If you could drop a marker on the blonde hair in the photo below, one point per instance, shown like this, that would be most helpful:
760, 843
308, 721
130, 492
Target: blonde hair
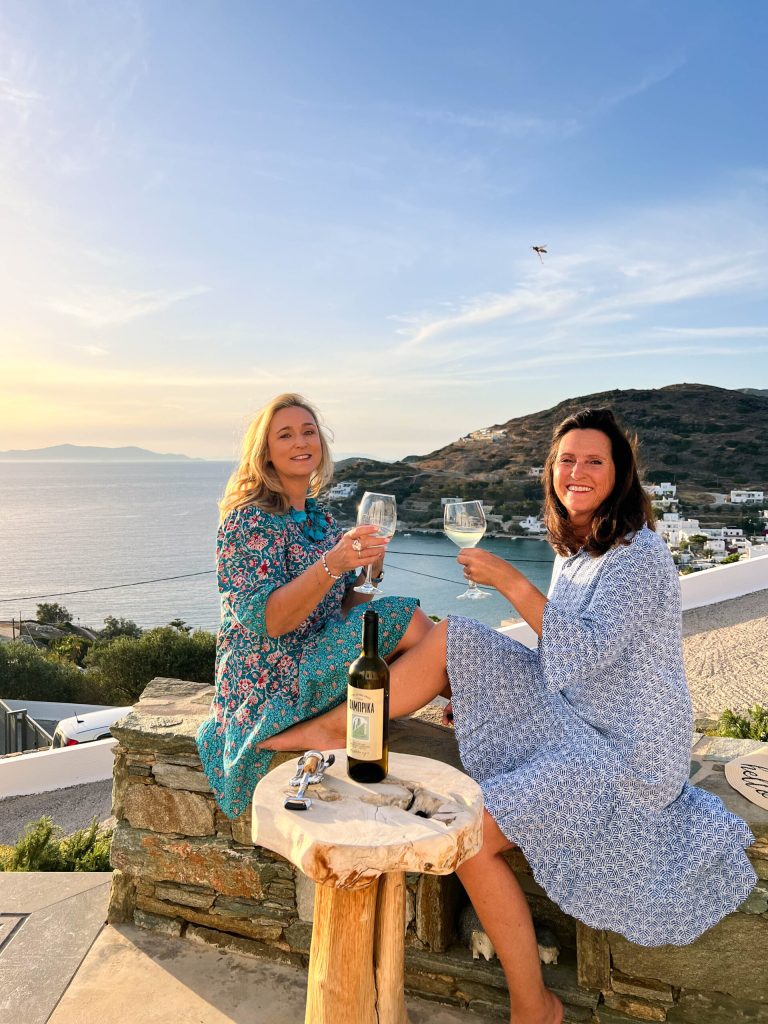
255, 481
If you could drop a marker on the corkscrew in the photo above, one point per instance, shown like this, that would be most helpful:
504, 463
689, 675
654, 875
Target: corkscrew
309, 772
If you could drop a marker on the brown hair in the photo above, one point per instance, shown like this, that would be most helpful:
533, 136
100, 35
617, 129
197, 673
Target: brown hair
255, 481
626, 509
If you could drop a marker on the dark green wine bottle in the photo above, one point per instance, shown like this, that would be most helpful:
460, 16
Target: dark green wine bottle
368, 708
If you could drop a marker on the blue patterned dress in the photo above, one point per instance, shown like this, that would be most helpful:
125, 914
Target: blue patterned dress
265, 684
582, 750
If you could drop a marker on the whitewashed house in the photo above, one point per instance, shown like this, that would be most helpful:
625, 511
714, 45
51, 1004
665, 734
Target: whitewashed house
746, 497
342, 490
532, 524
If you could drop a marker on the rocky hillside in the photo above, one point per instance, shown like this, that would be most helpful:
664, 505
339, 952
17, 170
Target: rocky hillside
703, 438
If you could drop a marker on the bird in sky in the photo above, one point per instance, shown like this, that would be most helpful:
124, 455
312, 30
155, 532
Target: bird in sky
539, 249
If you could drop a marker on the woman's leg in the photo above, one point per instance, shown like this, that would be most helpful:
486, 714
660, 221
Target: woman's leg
419, 626
415, 678
502, 908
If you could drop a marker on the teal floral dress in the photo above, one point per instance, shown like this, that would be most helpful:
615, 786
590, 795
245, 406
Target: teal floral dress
265, 684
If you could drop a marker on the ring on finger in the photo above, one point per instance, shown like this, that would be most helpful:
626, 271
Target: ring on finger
357, 545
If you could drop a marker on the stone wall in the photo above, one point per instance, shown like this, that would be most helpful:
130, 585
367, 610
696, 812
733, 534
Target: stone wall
183, 868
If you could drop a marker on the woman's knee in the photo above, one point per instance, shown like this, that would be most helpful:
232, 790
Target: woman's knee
420, 627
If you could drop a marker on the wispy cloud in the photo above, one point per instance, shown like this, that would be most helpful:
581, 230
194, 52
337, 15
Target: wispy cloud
715, 332
120, 307
609, 283
22, 100
499, 122
651, 78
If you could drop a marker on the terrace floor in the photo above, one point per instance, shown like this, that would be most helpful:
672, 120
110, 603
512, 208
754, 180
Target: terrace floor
61, 964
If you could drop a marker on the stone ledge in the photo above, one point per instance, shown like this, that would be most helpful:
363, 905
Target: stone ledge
182, 865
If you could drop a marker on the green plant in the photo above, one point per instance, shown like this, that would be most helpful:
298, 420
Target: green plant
114, 627
26, 674
44, 848
123, 667
71, 649
53, 614
733, 557
752, 726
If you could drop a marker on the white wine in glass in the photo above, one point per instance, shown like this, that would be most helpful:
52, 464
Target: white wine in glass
464, 524
376, 510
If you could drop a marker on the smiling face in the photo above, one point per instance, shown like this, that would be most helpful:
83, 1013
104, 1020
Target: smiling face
583, 475
293, 442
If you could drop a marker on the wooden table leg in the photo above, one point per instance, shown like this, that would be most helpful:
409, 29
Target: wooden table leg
389, 949
356, 956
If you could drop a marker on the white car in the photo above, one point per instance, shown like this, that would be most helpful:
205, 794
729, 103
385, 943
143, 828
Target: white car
93, 725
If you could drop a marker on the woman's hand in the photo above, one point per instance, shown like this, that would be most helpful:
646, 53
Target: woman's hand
357, 549
481, 566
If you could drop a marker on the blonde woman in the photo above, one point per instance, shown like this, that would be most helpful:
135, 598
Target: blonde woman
290, 620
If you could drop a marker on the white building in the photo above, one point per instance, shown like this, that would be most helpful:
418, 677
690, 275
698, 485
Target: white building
343, 490
746, 497
664, 490
449, 501
486, 434
535, 470
675, 529
531, 524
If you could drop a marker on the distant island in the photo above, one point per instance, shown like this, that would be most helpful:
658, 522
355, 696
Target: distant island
91, 453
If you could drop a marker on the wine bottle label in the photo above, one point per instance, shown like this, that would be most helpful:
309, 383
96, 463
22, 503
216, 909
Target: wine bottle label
365, 723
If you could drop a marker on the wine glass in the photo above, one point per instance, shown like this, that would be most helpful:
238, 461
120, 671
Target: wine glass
376, 510
464, 524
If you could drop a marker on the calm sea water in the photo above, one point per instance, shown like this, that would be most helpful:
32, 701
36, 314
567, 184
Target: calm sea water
78, 527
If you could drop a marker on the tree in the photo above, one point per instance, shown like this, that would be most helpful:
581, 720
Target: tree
125, 666
114, 627
53, 615
26, 674
181, 625
72, 649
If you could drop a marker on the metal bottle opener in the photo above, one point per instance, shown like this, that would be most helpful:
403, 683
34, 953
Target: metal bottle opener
310, 770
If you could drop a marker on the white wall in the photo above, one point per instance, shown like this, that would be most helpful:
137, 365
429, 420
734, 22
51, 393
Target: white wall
56, 769
722, 583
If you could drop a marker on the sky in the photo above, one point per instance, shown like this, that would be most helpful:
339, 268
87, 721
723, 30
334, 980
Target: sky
204, 204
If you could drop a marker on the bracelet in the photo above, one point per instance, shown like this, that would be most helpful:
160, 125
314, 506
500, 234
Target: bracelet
325, 566
376, 580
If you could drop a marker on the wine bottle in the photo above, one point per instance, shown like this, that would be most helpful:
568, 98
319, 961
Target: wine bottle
368, 708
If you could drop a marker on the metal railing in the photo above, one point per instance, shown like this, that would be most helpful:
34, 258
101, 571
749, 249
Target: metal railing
19, 733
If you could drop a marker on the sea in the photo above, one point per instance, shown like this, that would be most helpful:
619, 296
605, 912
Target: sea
137, 541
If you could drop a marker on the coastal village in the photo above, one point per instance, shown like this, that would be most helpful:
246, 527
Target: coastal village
695, 542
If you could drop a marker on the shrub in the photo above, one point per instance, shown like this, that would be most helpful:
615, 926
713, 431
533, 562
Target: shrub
752, 726
71, 649
125, 666
43, 847
26, 674
53, 615
114, 627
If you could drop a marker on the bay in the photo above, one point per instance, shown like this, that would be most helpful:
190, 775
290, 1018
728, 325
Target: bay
68, 527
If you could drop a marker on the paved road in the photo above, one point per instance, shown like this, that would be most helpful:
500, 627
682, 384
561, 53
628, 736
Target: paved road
70, 808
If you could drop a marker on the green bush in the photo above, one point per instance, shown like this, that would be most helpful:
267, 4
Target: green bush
53, 614
71, 649
27, 674
752, 726
123, 667
114, 627
43, 847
